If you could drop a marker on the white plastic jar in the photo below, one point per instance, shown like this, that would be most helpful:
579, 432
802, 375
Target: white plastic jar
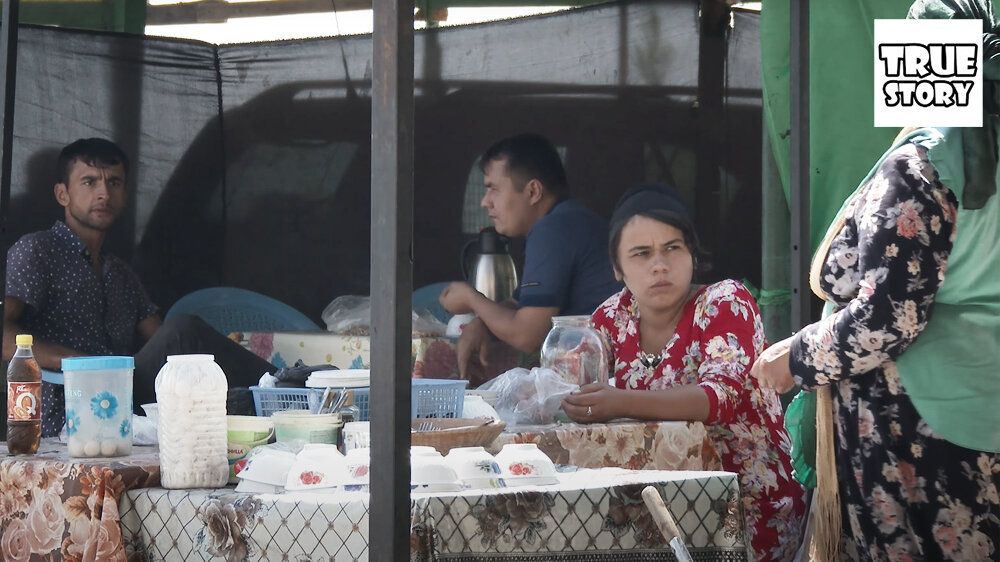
98, 405
191, 429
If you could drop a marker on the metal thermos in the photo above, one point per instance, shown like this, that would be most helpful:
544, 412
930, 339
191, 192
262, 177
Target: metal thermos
492, 270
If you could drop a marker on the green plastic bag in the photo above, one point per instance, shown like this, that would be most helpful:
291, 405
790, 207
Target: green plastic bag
800, 421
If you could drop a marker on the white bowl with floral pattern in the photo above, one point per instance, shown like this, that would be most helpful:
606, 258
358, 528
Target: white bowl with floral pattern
524, 464
475, 467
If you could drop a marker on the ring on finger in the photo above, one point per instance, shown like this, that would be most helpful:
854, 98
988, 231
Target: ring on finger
590, 411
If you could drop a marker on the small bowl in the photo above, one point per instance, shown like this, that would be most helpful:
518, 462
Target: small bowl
475, 467
317, 466
357, 435
358, 465
267, 466
491, 397
429, 472
523, 464
257, 488
152, 411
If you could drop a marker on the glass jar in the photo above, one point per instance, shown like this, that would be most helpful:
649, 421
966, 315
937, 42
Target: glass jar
576, 350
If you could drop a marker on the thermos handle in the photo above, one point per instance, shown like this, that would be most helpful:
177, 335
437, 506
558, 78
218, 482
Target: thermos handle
463, 258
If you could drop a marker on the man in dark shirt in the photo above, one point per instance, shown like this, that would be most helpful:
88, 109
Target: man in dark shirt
77, 299
567, 270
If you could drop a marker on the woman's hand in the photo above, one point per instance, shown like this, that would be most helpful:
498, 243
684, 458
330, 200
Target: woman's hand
594, 402
772, 369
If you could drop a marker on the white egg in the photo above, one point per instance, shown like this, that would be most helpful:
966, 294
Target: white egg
75, 448
108, 448
92, 448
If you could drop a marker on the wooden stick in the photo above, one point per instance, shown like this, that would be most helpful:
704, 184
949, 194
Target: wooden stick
660, 513
665, 521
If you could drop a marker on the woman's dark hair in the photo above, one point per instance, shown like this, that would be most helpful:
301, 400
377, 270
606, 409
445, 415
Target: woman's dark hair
676, 220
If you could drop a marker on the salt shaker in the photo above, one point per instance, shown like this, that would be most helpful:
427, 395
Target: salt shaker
191, 396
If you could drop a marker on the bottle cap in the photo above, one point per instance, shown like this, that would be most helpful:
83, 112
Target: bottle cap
23, 339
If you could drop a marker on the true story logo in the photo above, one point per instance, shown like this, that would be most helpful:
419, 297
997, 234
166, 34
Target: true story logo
928, 73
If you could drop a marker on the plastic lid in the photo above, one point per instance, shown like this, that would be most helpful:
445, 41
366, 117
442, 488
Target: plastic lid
105, 363
23, 339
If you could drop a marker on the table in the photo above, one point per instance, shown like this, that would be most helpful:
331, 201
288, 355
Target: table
55, 508
432, 358
592, 515
632, 444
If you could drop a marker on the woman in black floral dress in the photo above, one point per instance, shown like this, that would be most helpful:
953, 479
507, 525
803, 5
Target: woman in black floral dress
906, 493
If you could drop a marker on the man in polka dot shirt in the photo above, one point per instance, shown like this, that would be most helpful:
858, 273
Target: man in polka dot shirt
77, 299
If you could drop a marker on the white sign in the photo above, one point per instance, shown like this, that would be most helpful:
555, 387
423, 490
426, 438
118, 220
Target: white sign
929, 73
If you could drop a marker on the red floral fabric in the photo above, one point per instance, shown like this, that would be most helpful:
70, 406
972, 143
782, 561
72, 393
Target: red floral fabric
715, 343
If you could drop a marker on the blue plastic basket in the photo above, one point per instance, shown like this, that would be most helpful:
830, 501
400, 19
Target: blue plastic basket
430, 398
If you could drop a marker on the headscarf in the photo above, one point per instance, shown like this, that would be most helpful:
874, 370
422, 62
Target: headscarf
979, 144
647, 197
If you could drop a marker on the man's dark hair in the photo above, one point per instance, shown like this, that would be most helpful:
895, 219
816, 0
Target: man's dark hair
530, 156
95, 152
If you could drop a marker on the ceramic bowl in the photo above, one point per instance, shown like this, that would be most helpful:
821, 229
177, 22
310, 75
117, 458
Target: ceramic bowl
475, 467
430, 472
358, 465
257, 487
267, 466
357, 435
523, 464
152, 411
317, 466
491, 397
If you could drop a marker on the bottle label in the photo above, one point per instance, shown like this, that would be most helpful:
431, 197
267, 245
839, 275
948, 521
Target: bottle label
24, 401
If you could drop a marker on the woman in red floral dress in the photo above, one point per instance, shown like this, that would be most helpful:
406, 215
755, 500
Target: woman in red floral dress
683, 352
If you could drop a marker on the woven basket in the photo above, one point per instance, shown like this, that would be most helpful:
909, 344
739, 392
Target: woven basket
446, 434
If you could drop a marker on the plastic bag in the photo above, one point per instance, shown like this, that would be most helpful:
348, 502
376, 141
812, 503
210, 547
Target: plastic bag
350, 315
529, 397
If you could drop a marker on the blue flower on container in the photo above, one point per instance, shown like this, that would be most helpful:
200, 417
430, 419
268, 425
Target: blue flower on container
104, 405
126, 428
72, 422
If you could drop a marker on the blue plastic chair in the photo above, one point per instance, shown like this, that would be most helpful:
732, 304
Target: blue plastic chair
230, 309
427, 297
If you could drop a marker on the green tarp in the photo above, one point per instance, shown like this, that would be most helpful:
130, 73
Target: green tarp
843, 143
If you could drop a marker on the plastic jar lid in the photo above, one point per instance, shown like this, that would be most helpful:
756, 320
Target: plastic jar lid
105, 363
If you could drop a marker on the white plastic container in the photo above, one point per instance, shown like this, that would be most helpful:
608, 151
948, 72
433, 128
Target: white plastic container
191, 397
357, 435
98, 405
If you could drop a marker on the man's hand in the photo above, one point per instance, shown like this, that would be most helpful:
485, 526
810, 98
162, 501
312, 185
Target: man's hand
457, 297
772, 369
475, 337
594, 402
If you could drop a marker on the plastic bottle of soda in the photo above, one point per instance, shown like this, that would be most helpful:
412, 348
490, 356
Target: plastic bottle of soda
24, 400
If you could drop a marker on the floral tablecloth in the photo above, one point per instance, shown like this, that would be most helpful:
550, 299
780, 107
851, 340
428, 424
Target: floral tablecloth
55, 508
432, 358
646, 445
591, 515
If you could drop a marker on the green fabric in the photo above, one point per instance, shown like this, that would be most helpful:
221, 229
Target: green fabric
843, 141
800, 422
952, 371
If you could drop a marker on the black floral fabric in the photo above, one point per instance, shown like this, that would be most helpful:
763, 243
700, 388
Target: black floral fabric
906, 493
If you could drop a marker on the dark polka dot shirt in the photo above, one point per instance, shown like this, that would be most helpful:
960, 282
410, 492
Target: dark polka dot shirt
68, 304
